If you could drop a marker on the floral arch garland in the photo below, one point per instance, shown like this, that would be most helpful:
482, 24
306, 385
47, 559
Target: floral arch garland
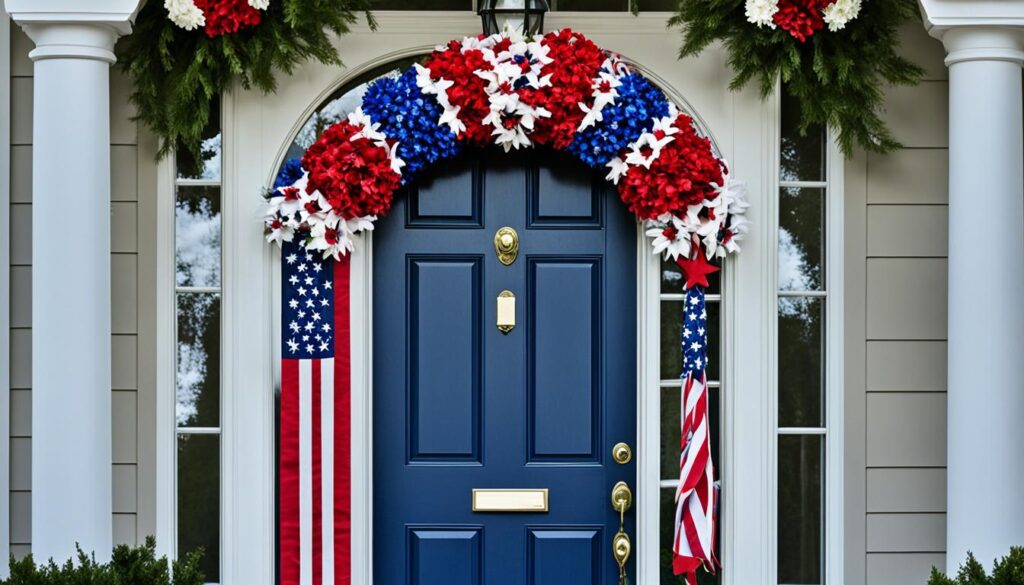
562, 91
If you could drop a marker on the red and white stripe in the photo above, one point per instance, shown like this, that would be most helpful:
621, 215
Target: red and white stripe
693, 545
315, 480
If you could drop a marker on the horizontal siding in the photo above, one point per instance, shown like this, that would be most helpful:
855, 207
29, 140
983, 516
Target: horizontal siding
902, 490
887, 369
901, 218
124, 302
902, 568
906, 533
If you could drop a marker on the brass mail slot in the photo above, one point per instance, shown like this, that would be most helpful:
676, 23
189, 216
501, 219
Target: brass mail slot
514, 500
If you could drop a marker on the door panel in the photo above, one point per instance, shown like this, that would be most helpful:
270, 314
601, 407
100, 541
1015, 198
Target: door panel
459, 405
444, 358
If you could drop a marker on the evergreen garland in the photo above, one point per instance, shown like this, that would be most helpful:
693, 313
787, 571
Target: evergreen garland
176, 73
837, 77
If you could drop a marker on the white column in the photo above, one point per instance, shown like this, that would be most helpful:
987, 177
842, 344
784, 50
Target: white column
71, 399
986, 307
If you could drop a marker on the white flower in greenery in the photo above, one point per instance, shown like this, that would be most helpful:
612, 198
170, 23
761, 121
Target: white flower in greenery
670, 236
840, 12
762, 12
259, 4
185, 14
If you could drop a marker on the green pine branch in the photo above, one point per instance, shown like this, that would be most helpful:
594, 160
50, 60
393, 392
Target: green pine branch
838, 78
178, 73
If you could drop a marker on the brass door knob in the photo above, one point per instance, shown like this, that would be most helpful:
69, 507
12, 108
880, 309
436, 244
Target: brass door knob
506, 245
622, 454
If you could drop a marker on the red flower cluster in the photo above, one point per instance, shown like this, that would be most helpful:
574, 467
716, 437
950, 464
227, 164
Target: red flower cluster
227, 16
801, 18
577, 61
681, 176
355, 176
468, 92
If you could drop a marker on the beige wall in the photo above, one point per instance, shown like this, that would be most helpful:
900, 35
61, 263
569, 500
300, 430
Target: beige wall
896, 242
124, 208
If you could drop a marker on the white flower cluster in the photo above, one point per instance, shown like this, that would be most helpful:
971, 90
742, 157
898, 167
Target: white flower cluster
762, 12
719, 224
604, 91
510, 117
292, 208
188, 16
840, 12
836, 15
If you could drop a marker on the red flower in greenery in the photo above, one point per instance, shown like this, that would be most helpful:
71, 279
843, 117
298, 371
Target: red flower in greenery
801, 18
355, 176
227, 16
469, 91
681, 176
577, 61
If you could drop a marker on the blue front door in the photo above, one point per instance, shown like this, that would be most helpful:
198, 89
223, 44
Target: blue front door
459, 405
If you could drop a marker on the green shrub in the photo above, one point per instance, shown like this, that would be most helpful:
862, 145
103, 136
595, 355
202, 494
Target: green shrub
128, 566
1007, 571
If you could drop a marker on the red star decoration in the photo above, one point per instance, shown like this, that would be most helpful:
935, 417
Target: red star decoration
696, 271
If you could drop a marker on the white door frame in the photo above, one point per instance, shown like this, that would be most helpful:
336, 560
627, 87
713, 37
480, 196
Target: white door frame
257, 129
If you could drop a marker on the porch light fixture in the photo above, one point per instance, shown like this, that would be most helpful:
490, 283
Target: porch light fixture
525, 15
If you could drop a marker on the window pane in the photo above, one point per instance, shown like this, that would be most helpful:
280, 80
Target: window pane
801, 239
198, 376
671, 340
197, 236
668, 513
199, 500
422, 4
672, 279
341, 104
801, 365
670, 429
208, 166
801, 520
803, 156
590, 5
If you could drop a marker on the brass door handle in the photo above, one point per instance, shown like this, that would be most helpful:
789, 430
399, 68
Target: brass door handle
622, 546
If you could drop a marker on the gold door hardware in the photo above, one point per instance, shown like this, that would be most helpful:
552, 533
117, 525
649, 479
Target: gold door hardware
511, 500
622, 546
506, 311
622, 454
506, 244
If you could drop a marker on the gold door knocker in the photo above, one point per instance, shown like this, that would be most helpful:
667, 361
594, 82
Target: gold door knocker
506, 244
622, 546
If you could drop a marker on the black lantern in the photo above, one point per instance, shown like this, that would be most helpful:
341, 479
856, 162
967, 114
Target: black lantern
525, 15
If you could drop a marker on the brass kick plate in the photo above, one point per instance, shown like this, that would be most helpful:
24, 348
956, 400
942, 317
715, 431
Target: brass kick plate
511, 500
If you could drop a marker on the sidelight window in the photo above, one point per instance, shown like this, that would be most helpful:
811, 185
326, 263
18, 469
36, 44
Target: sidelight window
197, 410
806, 439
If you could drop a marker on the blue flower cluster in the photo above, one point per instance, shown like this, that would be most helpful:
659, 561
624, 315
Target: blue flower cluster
638, 103
290, 172
410, 117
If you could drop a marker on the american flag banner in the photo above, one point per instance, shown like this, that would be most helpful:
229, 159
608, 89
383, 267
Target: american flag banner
314, 463
693, 544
